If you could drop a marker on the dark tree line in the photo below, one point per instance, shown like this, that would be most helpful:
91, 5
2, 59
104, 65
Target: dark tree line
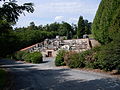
62, 29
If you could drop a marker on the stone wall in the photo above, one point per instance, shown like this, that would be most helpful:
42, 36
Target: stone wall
53, 45
94, 43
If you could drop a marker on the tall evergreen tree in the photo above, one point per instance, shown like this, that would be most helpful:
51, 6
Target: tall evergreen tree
81, 27
107, 16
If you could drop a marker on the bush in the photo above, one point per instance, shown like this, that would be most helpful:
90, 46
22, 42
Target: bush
59, 60
90, 60
35, 57
20, 55
105, 57
28, 58
74, 60
109, 57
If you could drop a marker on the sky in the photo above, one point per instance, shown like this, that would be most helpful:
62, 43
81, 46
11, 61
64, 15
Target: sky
50, 11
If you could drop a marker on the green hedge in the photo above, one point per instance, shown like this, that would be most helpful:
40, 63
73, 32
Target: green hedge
106, 57
59, 60
74, 60
109, 57
35, 57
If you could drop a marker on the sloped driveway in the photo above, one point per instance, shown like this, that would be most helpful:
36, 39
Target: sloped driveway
46, 76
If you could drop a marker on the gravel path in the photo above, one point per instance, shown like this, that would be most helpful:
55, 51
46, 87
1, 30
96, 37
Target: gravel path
46, 76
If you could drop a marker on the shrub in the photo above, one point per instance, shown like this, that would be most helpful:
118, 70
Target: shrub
28, 58
106, 57
90, 60
109, 57
35, 57
20, 55
74, 60
59, 60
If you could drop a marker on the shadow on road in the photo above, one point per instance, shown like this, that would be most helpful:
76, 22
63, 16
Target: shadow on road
8, 62
59, 80
32, 77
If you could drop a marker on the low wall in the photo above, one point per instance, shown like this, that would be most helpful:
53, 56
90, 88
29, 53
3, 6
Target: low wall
94, 43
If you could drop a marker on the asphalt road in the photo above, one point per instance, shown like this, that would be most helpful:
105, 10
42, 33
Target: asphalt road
46, 76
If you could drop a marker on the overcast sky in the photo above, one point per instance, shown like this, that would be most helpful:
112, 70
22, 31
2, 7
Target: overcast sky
49, 11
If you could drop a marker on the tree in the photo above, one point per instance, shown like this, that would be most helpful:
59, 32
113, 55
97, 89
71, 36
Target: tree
32, 26
66, 30
81, 27
114, 29
54, 26
8, 40
87, 27
107, 21
40, 27
10, 11
9, 14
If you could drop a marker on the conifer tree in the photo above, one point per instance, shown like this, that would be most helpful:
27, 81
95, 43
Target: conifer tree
81, 27
107, 21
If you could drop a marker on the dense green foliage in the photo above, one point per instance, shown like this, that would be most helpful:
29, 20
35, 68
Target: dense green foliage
10, 11
81, 28
74, 60
35, 57
30, 37
108, 57
106, 24
3, 78
59, 60
65, 29
8, 39
9, 14
106, 29
84, 27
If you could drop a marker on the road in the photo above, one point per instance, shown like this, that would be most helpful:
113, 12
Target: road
46, 76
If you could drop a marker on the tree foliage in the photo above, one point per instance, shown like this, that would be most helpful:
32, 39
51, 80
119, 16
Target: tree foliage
59, 60
35, 57
81, 27
10, 11
84, 27
8, 39
9, 14
107, 21
30, 37
66, 30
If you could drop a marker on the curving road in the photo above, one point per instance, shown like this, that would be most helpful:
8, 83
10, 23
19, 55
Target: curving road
46, 76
